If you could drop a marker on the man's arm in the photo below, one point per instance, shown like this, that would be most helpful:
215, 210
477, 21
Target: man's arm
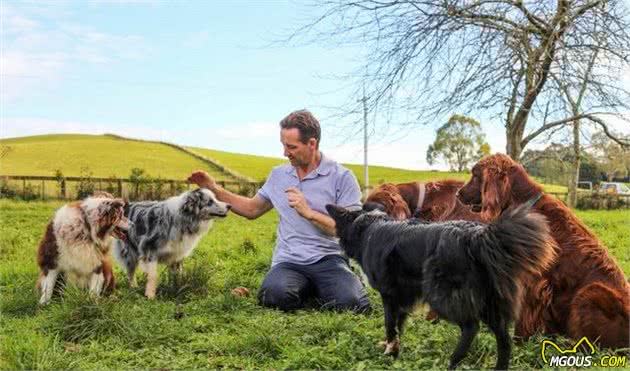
321, 221
250, 208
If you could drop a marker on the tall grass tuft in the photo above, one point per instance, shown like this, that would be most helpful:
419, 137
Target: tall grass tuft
189, 283
81, 316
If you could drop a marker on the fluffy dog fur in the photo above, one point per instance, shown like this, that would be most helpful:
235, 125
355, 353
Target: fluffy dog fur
585, 293
431, 201
77, 242
466, 271
166, 232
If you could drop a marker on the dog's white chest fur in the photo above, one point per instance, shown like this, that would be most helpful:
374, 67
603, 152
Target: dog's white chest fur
177, 250
76, 253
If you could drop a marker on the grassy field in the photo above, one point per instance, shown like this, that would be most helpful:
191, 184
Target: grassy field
198, 324
107, 156
104, 156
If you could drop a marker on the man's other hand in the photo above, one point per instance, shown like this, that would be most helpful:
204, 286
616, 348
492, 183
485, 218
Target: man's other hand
298, 202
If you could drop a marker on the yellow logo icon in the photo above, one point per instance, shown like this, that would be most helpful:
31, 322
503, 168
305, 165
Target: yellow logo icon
570, 357
565, 351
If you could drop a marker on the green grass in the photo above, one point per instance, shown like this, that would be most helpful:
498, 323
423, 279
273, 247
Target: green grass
107, 156
196, 323
103, 155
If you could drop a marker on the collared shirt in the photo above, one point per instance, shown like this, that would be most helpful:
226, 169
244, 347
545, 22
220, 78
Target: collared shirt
298, 240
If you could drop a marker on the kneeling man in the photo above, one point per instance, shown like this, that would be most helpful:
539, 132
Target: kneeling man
307, 259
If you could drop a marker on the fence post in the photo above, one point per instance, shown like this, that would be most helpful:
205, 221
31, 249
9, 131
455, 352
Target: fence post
63, 188
23, 187
43, 190
120, 189
172, 183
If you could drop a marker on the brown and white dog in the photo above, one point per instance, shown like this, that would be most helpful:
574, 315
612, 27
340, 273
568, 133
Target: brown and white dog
77, 243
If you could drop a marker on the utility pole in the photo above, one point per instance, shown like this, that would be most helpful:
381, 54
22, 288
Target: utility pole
366, 179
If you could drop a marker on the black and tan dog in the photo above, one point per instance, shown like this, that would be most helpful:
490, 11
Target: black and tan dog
466, 271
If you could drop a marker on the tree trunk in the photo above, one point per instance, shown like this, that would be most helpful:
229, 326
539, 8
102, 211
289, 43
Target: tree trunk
575, 173
513, 143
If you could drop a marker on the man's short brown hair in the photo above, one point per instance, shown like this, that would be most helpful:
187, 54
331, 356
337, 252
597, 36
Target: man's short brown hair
305, 122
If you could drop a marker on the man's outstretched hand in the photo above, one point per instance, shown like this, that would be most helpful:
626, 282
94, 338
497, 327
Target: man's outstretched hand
202, 179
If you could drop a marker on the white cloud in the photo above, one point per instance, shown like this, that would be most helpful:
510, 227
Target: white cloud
40, 47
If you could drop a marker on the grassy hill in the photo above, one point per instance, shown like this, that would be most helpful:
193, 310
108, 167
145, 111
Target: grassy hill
103, 155
258, 167
106, 156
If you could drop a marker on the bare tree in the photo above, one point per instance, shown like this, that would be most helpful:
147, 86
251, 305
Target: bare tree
435, 57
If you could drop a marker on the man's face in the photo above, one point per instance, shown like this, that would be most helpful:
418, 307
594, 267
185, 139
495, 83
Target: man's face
298, 153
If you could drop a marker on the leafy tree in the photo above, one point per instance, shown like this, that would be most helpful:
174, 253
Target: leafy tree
460, 143
553, 164
613, 158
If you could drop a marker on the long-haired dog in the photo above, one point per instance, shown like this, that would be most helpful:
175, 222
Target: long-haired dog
432, 201
77, 243
166, 232
585, 293
466, 271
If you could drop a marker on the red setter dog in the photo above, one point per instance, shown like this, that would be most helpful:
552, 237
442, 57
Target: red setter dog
585, 293
432, 201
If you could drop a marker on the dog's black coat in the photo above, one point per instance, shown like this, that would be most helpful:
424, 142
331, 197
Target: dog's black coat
466, 271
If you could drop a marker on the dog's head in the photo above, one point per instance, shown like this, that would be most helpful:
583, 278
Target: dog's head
349, 225
387, 198
106, 216
202, 204
495, 183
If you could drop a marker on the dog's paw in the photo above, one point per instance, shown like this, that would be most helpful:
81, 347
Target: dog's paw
392, 348
433, 317
240, 292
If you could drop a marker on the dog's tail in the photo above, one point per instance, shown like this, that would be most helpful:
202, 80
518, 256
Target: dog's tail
516, 244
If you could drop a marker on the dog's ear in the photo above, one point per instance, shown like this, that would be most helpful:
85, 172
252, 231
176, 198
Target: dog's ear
495, 192
192, 205
110, 205
118, 202
335, 211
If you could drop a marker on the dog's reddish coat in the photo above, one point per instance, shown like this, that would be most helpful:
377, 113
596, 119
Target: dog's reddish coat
585, 293
440, 202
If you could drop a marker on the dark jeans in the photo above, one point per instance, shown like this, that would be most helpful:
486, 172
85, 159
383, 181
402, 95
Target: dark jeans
330, 281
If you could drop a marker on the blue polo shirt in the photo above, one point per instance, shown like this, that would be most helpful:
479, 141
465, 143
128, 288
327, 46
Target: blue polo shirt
298, 240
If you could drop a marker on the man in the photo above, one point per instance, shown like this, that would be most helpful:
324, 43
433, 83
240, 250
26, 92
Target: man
307, 259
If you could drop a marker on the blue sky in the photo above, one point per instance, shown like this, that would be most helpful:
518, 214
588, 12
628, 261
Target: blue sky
201, 73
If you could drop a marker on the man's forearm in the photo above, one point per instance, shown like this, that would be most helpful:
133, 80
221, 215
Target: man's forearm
323, 222
240, 205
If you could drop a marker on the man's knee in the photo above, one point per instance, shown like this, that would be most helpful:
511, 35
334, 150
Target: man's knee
277, 295
356, 302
